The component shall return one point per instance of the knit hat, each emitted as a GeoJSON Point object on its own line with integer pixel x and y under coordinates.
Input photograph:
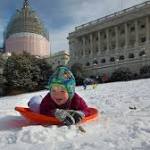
{"type": "Point", "coordinates": [63, 76]}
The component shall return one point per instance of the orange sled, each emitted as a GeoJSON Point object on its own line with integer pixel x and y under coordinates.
{"type": "Point", "coordinates": [43, 119]}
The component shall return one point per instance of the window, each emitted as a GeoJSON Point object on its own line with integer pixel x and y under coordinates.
{"type": "Point", "coordinates": [103, 60]}
{"type": "Point", "coordinates": [142, 53]}
{"type": "Point", "coordinates": [112, 59]}
{"type": "Point", "coordinates": [103, 35]}
{"type": "Point", "coordinates": [131, 55]}
{"type": "Point", "coordinates": [95, 62]}
{"type": "Point", "coordinates": [143, 39]}
{"type": "Point", "coordinates": [112, 33]}
{"type": "Point", "coordinates": [122, 31]}
{"type": "Point", "coordinates": [121, 57]}
{"type": "Point", "coordinates": [132, 28]}
{"type": "Point", "coordinates": [97, 50]}
{"type": "Point", "coordinates": [104, 47]}
{"type": "Point", "coordinates": [132, 41]}
{"type": "Point", "coordinates": [96, 38]}
{"type": "Point", "coordinates": [87, 64]}
{"type": "Point", "coordinates": [122, 43]}
{"type": "Point", "coordinates": [142, 26]}
{"type": "Point", "coordinates": [113, 45]}
{"type": "Point", "coordinates": [87, 41]}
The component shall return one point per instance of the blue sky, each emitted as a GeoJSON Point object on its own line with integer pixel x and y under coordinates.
{"type": "Point", "coordinates": [62, 16]}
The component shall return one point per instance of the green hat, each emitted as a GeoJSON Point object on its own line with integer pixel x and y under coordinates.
{"type": "Point", "coordinates": [63, 76]}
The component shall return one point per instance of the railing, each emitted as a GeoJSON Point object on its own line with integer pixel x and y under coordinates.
{"type": "Point", "coordinates": [86, 68]}
{"type": "Point", "coordinates": [100, 20]}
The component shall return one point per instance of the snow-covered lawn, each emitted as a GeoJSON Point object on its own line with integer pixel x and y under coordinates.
{"type": "Point", "coordinates": [117, 127]}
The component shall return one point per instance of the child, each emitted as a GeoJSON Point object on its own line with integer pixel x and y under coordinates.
{"type": "Point", "coordinates": [62, 101]}
{"type": "Point", "coordinates": [84, 84]}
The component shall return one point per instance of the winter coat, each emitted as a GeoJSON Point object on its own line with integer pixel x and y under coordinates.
{"type": "Point", "coordinates": [48, 106]}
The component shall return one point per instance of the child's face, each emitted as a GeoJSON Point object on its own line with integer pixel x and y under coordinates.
{"type": "Point", "coordinates": [59, 95]}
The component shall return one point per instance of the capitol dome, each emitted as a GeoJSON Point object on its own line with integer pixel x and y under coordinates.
{"type": "Point", "coordinates": [26, 32]}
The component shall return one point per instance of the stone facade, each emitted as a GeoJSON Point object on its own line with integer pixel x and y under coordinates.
{"type": "Point", "coordinates": [59, 58]}
{"type": "Point", "coordinates": [29, 42]}
{"type": "Point", "coordinates": [118, 40]}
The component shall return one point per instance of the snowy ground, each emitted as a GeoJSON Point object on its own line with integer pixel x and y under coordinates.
{"type": "Point", "coordinates": [117, 128]}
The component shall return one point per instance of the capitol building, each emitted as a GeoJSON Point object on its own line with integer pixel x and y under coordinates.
{"type": "Point", "coordinates": [26, 32]}
{"type": "Point", "coordinates": [121, 39]}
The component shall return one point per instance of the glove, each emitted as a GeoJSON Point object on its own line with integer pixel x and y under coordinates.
{"type": "Point", "coordinates": [77, 115]}
{"type": "Point", "coordinates": [64, 116]}
{"type": "Point", "coordinates": [69, 117]}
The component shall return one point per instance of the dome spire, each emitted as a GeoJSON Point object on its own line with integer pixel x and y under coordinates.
{"type": "Point", "coordinates": [25, 4]}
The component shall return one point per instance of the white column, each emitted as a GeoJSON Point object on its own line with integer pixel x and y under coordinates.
{"type": "Point", "coordinates": [107, 38]}
{"type": "Point", "coordinates": [136, 33]}
{"type": "Point", "coordinates": [83, 46]}
{"type": "Point", "coordinates": [126, 35]}
{"type": "Point", "coordinates": [116, 37]}
{"type": "Point", "coordinates": [76, 49]}
{"type": "Point", "coordinates": [91, 44]}
{"type": "Point", "coordinates": [147, 30]}
{"type": "Point", "coordinates": [99, 42]}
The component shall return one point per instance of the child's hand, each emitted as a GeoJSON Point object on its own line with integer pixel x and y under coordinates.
{"type": "Point", "coordinates": [77, 115]}
{"type": "Point", "coordinates": [69, 117]}
{"type": "Point", "coordinates": [64, 116]}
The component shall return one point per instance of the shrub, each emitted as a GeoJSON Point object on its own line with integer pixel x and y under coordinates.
{"type": "Point", "coordinates": [121, 74]}
{"type": "Point", "coordinates": [26, 73]}
{"type": "Point", "coordinates": [45, 72]}
{"type": "Point", "coordinates": [77, 71]}
{"type": "Point", "coordinates": [145, 71]}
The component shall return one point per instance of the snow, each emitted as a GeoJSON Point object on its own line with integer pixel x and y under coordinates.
{"type": "Point", "coordinates": [116, 128]}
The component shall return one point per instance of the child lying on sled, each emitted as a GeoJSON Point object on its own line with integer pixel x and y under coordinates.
{"type": "Point", "coordinates": [61, 101]}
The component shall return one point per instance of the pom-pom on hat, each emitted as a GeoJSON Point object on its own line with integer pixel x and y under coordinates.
{"type": "Point", "coordinates": [63, 76]}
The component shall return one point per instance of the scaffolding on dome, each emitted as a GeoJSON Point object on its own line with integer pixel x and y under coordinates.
{"type": "Point", "coordinates": [25, 20]}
